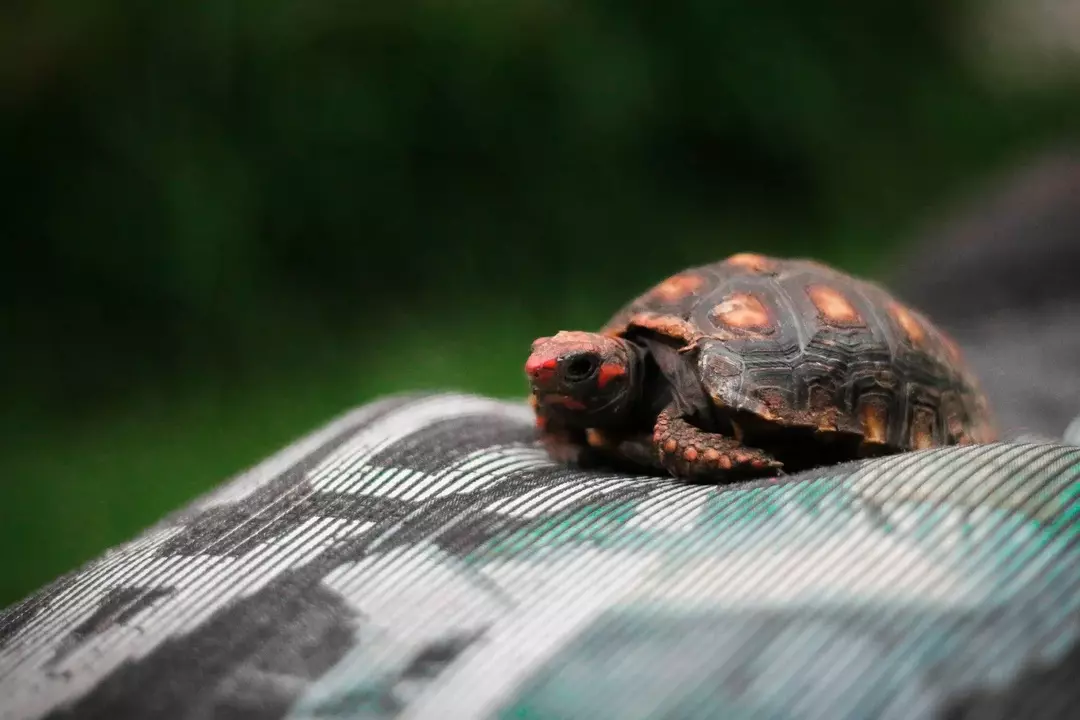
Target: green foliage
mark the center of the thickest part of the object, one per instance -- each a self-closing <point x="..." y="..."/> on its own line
<point x="220" y="205"/>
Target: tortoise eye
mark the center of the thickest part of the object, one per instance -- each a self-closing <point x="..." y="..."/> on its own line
<point x="581" y="368"/>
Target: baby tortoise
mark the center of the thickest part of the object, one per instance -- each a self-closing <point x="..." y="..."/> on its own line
<point x="753" y="364"/>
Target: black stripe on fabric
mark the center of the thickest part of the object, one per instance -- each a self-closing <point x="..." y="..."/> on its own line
<point x="390" y="696"/>
<point x="117" y="607"/>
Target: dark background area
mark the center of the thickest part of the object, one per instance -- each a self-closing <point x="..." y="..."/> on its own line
<point x="227" y="221"/>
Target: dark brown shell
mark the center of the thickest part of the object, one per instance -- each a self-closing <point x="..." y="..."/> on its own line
<point x="797" y="343"/>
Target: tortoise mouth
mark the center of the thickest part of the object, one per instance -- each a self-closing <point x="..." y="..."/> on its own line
<point x="579" y="412"/>
<point x="562" y="400"/>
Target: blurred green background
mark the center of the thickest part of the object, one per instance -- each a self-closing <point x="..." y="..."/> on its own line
<point x="226" y="221"/>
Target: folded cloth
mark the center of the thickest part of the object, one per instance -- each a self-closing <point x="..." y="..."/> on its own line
<point x="421" y="557"/>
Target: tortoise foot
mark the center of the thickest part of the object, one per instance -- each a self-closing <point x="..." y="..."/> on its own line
<point x="689" y="452"/>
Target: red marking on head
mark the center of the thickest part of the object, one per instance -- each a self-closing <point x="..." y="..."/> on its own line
<point x="608" y="372"/>
<point x="540" y="368"/>
<point x="541" y="423"/>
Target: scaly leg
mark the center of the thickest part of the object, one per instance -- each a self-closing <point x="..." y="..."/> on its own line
<point x="690" y="452"/>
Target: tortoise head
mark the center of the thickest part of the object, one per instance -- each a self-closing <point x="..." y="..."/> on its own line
<point x="585" y="379"/>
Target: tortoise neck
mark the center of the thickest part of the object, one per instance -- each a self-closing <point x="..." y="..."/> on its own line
<point x="645" y="381"/>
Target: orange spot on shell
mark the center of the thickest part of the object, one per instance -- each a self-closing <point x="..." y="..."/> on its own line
<point x="823" y="412"/>
<point x="725" y="462"/>
<point x="671" y="446"/>
<point x="773" y="403"/>
<point x="677" y="287"/>
<point x="835" y="309"/>
<point x="608" y="372"/>
<point x="908" y="323"/>
<point x="956" y="426"/>
<point x="874" y="422"/>
<point x="751" y="261"/>
<point x="690" y="454"/>
<point x="922" y="429"/>
<point x="742" y="311"/>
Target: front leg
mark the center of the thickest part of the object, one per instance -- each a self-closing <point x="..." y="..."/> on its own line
<point x="687" y="451"/>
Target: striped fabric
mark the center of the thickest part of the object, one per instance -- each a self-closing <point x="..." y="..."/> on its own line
<point x="420" y="557"/>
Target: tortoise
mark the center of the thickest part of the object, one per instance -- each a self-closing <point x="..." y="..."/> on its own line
<point x="754" y="365"/>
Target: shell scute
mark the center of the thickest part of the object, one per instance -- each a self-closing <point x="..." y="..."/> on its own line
<point x="833" y="307"/>
<point x="742" y="313"/>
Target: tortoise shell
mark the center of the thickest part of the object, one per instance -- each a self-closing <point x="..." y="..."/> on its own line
<point x="796" y="344"/>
